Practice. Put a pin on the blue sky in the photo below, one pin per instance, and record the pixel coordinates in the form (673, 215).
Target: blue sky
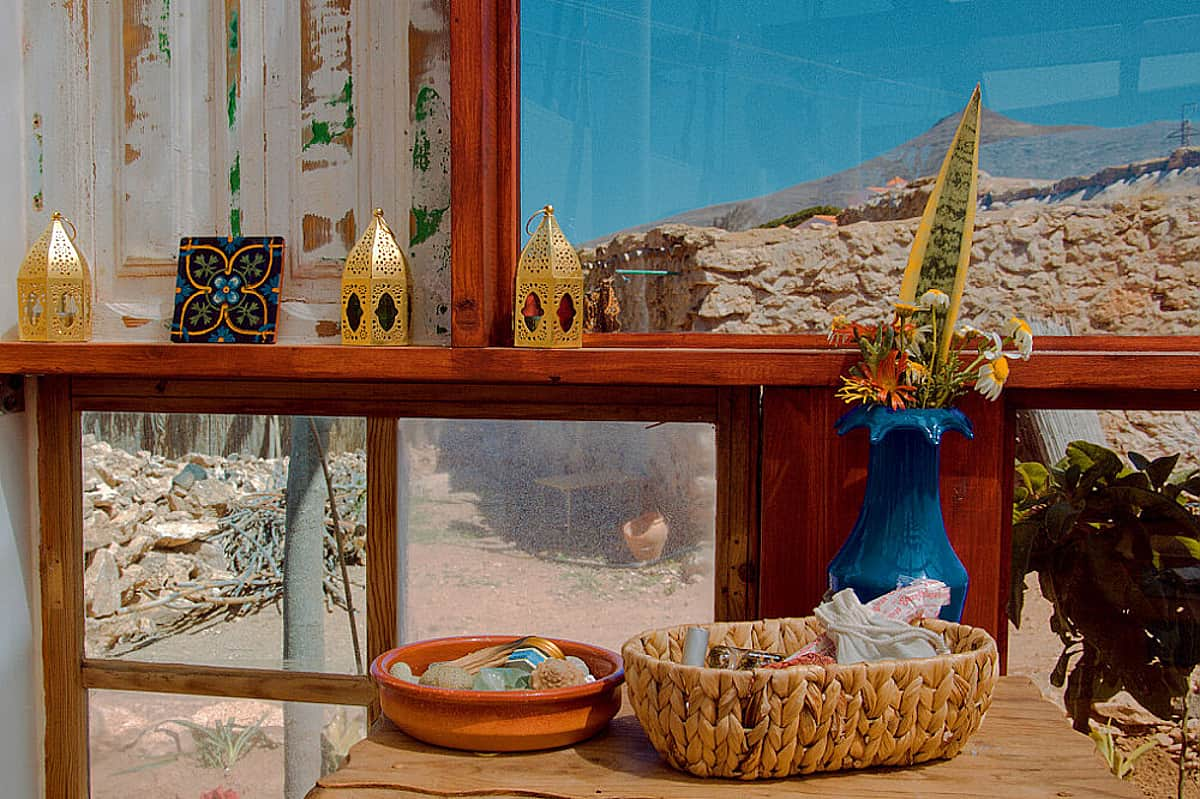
(634, 110)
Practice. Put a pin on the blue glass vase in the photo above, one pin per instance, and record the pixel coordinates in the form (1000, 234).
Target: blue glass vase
(900, 534)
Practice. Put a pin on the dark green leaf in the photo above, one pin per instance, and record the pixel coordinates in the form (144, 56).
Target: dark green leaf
(1023, 538)
(1058, 674)
(1134, 480)
(1085, 454)
(1160, 469)
(1060, 518)
(1179, 545)
(1070, 477)
(1139, 461)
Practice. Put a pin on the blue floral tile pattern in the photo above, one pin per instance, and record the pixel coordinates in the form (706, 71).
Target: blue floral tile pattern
(227, 289)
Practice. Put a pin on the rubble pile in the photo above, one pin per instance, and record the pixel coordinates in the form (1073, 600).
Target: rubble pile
(169, 544)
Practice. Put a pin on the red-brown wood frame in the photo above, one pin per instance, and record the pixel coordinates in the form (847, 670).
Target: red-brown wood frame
(69, 674)
(484, 169)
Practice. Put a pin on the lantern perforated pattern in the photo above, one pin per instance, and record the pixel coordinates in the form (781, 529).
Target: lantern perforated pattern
(549, 291)
(375, 288)
(54, 288)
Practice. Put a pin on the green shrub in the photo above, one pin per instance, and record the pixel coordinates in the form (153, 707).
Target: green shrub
(799, 217)
(1117, 553)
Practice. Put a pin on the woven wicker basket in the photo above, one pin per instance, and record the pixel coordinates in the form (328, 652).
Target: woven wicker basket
(802, 719)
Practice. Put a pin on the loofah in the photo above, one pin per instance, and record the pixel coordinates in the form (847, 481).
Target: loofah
(556, 673)
(443, 675)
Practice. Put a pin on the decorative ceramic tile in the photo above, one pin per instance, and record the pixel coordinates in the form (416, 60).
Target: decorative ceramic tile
(227, 290)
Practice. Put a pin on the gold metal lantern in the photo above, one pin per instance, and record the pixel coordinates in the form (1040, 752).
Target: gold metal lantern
(54, 287)
(549, 298)
(376, 289)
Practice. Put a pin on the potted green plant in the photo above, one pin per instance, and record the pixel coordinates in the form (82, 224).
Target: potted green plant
(1117, 553)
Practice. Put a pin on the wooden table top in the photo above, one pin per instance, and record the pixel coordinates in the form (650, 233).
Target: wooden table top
(1024, 748)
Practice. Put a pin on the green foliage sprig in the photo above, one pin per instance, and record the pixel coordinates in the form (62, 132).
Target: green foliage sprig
(1117, 553)
(223, 744)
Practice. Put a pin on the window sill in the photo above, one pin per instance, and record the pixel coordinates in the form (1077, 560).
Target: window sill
(1151, 368)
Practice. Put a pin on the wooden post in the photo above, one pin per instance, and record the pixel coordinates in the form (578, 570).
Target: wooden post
(383, 541)
(737, 524)
(485, 142)
(60, 548)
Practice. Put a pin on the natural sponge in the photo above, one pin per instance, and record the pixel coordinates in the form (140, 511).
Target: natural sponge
(556, 673)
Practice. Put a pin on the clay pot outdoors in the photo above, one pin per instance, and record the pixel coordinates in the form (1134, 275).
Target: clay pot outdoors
(646, 535)
(497, 721)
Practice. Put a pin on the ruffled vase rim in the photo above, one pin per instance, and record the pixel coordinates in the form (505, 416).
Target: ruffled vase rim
(880, 421)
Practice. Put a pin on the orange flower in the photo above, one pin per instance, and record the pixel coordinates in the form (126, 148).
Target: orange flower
(880, 384)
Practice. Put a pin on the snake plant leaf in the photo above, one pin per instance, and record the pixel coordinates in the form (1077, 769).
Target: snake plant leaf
(941, 248)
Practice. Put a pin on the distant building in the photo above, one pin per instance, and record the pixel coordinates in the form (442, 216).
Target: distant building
(818, 221)
(895, 183)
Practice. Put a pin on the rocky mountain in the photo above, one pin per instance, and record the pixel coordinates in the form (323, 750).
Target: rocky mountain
(1009, 148)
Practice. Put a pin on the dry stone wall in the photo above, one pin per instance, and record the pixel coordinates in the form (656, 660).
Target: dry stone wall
(1128, 265)
(1131, 268)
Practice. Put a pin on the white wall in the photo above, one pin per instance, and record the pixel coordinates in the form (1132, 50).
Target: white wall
(19, 706)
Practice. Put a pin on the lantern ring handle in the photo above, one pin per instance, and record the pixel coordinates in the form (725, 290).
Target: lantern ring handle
(57, 217)
(544, 211)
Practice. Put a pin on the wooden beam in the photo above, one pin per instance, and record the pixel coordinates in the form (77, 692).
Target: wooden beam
(737, 531)
(484, 146)
(382, 567)
(556, 403)
(1147, 398)
(186, 678)
(1134, 371)
(60, 548)
(772, 341)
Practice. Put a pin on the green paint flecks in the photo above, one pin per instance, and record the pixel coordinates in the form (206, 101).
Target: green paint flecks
(235, 196)
(235, 175)
(320, 134)
(425, 99)
(421, 150)
(326, 132)
(428, 220)
(231, 106)
(164, 38)
(38, 200)
(346, 97)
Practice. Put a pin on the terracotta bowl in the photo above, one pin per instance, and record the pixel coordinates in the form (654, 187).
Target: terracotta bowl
(497, 721)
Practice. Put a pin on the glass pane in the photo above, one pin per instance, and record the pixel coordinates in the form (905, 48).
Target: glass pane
(1109, 560)
(165, 745)
(187, 524)
(591, 531)
(824, 121)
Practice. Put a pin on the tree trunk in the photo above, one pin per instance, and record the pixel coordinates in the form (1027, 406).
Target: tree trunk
(303, 600)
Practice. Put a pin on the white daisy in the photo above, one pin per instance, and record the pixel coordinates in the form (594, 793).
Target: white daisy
(1018, 330)
(991, 377)
(936, 299)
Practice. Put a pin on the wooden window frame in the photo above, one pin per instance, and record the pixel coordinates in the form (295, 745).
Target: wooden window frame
(69, 674)
(485, 108)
